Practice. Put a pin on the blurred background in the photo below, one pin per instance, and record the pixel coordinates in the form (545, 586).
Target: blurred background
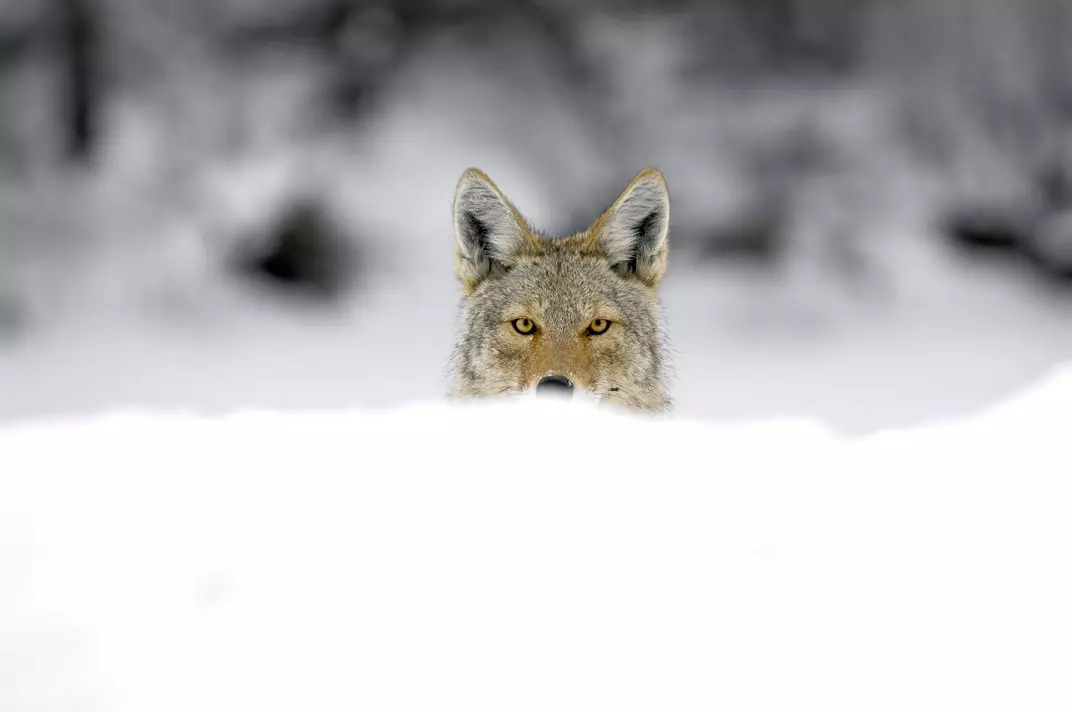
(222, 204)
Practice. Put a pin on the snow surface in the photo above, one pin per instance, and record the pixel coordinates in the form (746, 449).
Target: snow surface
(531, 556)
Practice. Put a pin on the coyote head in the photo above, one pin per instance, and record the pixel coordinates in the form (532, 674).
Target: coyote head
(571, 316)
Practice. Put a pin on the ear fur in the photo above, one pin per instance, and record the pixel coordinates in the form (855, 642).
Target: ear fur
(633, 232)
(488, 229)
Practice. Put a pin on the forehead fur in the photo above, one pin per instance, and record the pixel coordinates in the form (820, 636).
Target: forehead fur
(565, 283)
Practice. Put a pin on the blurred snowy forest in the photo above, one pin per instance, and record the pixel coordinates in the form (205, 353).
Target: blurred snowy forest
(234, 203)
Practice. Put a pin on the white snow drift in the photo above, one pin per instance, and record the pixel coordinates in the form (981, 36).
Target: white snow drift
(528, 557)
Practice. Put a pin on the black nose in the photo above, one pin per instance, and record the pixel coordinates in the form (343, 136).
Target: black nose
(555, 386)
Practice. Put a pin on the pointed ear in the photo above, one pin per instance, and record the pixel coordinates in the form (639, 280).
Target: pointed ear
(488, 230)
(633, 232)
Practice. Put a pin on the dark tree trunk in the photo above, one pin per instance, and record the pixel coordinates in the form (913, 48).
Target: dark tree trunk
(81, 90)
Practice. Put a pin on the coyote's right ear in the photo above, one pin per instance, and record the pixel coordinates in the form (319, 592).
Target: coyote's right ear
(488, 230)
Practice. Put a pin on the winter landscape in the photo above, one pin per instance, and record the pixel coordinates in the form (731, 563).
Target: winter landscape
(812, 270)
(227, 301)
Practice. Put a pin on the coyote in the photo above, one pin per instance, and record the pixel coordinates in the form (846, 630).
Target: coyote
(575, 316)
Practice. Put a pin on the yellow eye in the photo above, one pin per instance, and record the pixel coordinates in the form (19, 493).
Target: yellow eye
(525, 327)
(598, 327)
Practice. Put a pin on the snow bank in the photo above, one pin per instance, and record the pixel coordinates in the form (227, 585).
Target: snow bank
(519, 556)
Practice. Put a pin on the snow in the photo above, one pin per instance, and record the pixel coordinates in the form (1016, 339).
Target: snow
(535, 556)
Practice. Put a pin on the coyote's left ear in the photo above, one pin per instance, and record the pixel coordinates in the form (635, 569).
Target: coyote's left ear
(633, 232)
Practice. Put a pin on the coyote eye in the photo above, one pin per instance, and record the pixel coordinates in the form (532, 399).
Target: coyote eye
(525, 327)
(598, 327)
